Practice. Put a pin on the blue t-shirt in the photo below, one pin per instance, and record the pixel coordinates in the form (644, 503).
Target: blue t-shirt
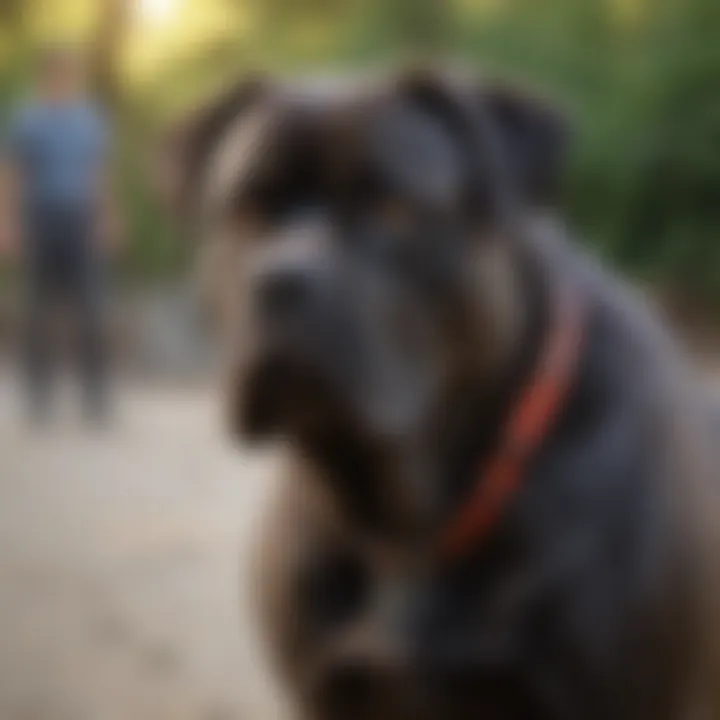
(60, 150)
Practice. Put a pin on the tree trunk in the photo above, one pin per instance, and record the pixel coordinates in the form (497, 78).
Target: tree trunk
(112, 27)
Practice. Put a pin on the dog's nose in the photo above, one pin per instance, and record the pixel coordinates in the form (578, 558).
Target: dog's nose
(284, 292)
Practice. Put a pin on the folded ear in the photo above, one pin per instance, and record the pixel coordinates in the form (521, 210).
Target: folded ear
(178, 166)
(513, 141)
(535, 137)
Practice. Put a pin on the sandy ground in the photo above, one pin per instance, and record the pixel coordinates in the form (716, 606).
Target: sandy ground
(122, 566)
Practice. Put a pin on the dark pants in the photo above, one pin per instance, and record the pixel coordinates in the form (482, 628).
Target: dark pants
(64, 280)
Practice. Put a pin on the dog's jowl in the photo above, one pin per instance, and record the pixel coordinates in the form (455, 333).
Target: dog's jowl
(501, 491)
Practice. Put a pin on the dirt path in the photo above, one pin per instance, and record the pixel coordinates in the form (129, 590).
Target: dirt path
(120, 597)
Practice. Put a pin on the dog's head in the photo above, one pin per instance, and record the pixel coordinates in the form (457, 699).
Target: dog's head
(367, 262)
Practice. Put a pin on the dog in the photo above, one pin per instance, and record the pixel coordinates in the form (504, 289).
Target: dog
(500, 497)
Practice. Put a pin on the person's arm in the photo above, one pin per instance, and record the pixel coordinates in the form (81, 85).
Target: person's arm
(11, 191)
(110, 229)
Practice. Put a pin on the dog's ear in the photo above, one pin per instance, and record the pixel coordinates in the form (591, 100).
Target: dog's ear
(179, 162)
(535, 136)
(510, 137)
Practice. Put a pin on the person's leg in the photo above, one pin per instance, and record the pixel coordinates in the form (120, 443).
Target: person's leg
(37, 342)
(90, 295)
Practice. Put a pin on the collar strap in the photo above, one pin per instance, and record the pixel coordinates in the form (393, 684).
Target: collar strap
(529, 423)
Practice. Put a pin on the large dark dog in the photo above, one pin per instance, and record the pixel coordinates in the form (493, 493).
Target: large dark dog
(501, 499)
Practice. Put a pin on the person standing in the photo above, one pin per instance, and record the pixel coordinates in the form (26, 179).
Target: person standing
(58, 217)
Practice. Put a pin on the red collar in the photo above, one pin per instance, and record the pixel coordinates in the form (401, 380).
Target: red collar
(529, 423)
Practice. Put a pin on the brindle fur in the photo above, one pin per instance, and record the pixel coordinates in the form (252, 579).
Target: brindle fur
(597, 594)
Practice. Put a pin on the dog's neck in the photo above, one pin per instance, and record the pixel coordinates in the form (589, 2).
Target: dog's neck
(484, 398)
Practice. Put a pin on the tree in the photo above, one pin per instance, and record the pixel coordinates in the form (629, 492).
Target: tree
(113, 24)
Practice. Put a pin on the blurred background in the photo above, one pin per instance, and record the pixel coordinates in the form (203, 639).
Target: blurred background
(640, 77)
(118, 552)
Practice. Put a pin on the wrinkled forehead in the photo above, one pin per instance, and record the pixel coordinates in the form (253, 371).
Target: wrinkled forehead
(333, 139)
(403, 151)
